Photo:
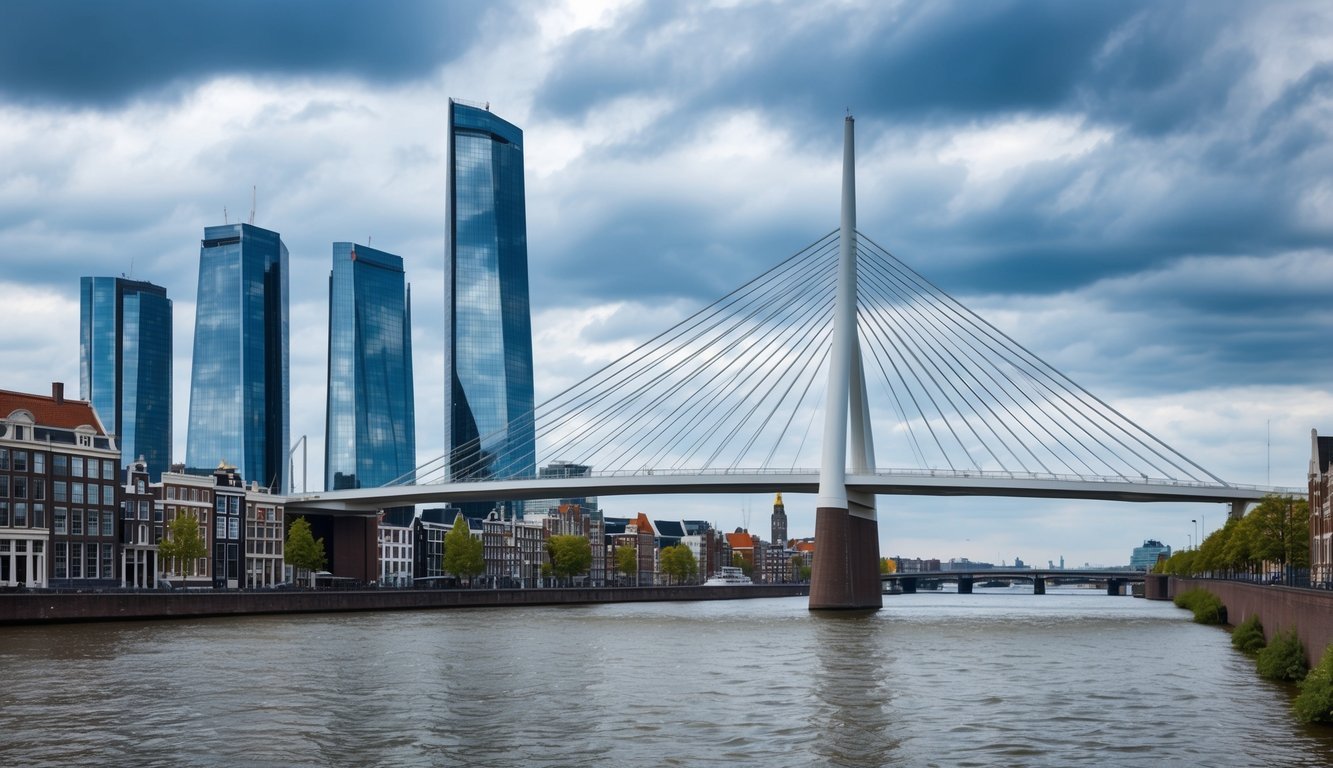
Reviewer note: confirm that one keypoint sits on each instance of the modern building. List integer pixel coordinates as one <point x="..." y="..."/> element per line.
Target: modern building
<point x="239" y="412"/>
<point x="125" y="365"/>
<point x="370" y="437"/>
<point x="488" y="348"/>
<point x="1321" y="510"/>
<point x="1145" y="557"/>
<point x="58" y="493"/>
<point x="563" y="469"/>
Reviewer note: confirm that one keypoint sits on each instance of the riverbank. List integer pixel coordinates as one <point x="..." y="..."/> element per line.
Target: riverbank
<point x="1308" y="611"/>
<point x="65" y="607"/>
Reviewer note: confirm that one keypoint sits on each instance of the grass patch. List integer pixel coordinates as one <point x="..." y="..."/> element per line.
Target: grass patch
<point x="1283" y="659"/>
<point x="1315" y="702"/>
<point x="1248" y="636"/>
<point x="1207" y="608"/>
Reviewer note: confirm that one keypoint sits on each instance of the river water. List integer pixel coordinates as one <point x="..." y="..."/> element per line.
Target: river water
<point x="1073" y="677"/>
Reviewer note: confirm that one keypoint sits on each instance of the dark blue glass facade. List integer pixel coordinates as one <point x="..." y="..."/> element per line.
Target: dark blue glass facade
<point x="239" y="378"/>
<point x="488" y="354"/>
<point x="125" y="365"/>
<point x="370" y="431"/>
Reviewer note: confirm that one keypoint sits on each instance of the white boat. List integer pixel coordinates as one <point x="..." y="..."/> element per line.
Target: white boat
<point x="730" y="576"/>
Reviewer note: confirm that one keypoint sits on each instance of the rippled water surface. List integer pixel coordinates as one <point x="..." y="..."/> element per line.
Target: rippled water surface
<point x="995" y="678"/>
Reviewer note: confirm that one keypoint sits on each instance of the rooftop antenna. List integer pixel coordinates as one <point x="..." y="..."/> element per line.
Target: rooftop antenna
<point x="252" y="205"/>
<point x="225" y="220"/>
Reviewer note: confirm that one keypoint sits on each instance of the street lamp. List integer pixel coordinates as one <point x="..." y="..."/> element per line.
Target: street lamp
<point x="1191" y="540"/>
<point x="1196" y="529"/>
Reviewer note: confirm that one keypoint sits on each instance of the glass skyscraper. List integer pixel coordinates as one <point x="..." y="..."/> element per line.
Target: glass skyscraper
<point x="488" y="353"/>
<point x="239" y="380"/>
<point x="125" y="365"/>
<point x="370" y="432"/>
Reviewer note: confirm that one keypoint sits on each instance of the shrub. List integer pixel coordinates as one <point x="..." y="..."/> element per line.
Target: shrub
<point x="1207" y="608"/>
<point x="1315" y="702"/>
<point x="1248" y="636"/>
<point x="1284" y="658"/>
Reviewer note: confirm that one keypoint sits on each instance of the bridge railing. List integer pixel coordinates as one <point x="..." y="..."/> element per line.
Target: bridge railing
<point x="897" y="472"/>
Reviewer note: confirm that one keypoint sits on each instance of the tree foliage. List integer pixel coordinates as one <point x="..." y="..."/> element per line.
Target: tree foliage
<point x="627" y="561"/>
<point x="463" y="553"/>
<point x="1275" y="533"/>
<point x="1206" y="606"/>
<point x="738" y="560"/>
<point x="570" y="555"/>
<point x="679" y="563"/>
<point x="183" y="545"/>
<point x="302" y="550"/>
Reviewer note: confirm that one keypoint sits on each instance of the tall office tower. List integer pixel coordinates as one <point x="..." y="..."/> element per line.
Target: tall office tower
<point x="488" y="352"/>
<point x="370" y="430"/>
<point x="239" y="381"/>
<point x="125" y="365"/>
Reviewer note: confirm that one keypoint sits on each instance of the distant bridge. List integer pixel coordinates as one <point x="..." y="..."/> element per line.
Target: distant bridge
<point x="966" y="578"/>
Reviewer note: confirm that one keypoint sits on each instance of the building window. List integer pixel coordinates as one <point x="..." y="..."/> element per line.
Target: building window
<point x="58" y="520"/>
<point x="108" y="495"/>
<point x="92" y="469"/>
<point x="61" y="560"/>
<point x="108" y="559"/>
<point x="4" y="486"/>
<point x="39" y="489"/>
<point x="59" y="465"/>
<point x="77" y="493"/>
<point x="4" y="458"/>
<point x="38" y="515"/>
<point x="20" y="514"/>
<point x="20" y="461"/>
<point x="76" y="522"/>
<point x="76" y="466"/>
<point x="59" y="491"/>
<point x="108" y="524"/>
<point x="76" y="560"/>
<point x="94" y="521"/>
<point x="90" y="564"/>
<point x="108" y="469"/>
<point x="4" y="514"/>
<point x="38" y="463"/>
<point x="20" y="488"/>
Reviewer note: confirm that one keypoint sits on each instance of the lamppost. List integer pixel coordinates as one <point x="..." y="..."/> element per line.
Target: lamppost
<point x="1196" y="530"/>
<point x="1191" y="540"/>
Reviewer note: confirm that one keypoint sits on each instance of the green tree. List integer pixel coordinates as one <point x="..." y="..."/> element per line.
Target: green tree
<point x="1280" y="529"/>
<point x="302" y="550"/>
<point x="570" y="555"/>
<point x="678" y="562"/>
<point x="1283" y="658"/>
<point x="627" y="561"/>
<point x="738" y="560"/>
<point x="182" y="545"/>
<point x="463" y="553"/>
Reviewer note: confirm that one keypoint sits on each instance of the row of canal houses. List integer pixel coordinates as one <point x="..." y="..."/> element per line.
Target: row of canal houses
<point x="69" y="518"/>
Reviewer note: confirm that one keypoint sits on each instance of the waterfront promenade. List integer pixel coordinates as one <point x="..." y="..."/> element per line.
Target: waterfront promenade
<point x="59" y="607"/>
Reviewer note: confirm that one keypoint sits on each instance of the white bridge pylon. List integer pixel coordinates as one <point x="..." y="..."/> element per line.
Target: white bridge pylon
<point x="941" y="402"/>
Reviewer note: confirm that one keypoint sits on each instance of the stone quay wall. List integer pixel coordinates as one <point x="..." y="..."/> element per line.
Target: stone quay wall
<point x="1308" y="611"/>
<point x="57" y="607"/>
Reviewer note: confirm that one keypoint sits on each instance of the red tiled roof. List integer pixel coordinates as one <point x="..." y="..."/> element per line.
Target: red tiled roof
<point x="805" y="546"/>
<point x="67" y="414"/>
<point x="643" y="525"/>
<point x="740" y="540"/>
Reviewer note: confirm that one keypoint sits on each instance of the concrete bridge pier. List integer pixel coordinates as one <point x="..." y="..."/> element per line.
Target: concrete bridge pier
<point x="964" y="585"/>
<point x="1115" y="587"/>
<point x="1038" y="585"/>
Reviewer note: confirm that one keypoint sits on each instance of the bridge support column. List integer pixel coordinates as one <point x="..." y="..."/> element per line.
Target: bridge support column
<point x="909" y="586"/>
<point x="1038" y="585"/>
<point x="1238" y="509"/>
<point x="846" y="569"/>
<point x="964" y="585"/>
<point x="1114" y="587"/>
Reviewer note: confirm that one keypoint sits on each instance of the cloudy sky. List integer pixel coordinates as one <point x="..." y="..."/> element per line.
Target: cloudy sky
<point x="1140" y="193"/>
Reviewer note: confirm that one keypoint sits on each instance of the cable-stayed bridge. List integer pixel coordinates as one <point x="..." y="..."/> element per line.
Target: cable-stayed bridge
<point x="840" y="371"/>
<point x="728" y="401"/>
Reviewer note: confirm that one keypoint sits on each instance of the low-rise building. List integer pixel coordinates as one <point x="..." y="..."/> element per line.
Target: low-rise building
<point x="58" y="493"/>
<point x="138" y="545"/>
<point x="180" y="493"/>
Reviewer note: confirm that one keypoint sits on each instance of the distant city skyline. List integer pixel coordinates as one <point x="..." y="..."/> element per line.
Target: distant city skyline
<point x="1138" y="197"/>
